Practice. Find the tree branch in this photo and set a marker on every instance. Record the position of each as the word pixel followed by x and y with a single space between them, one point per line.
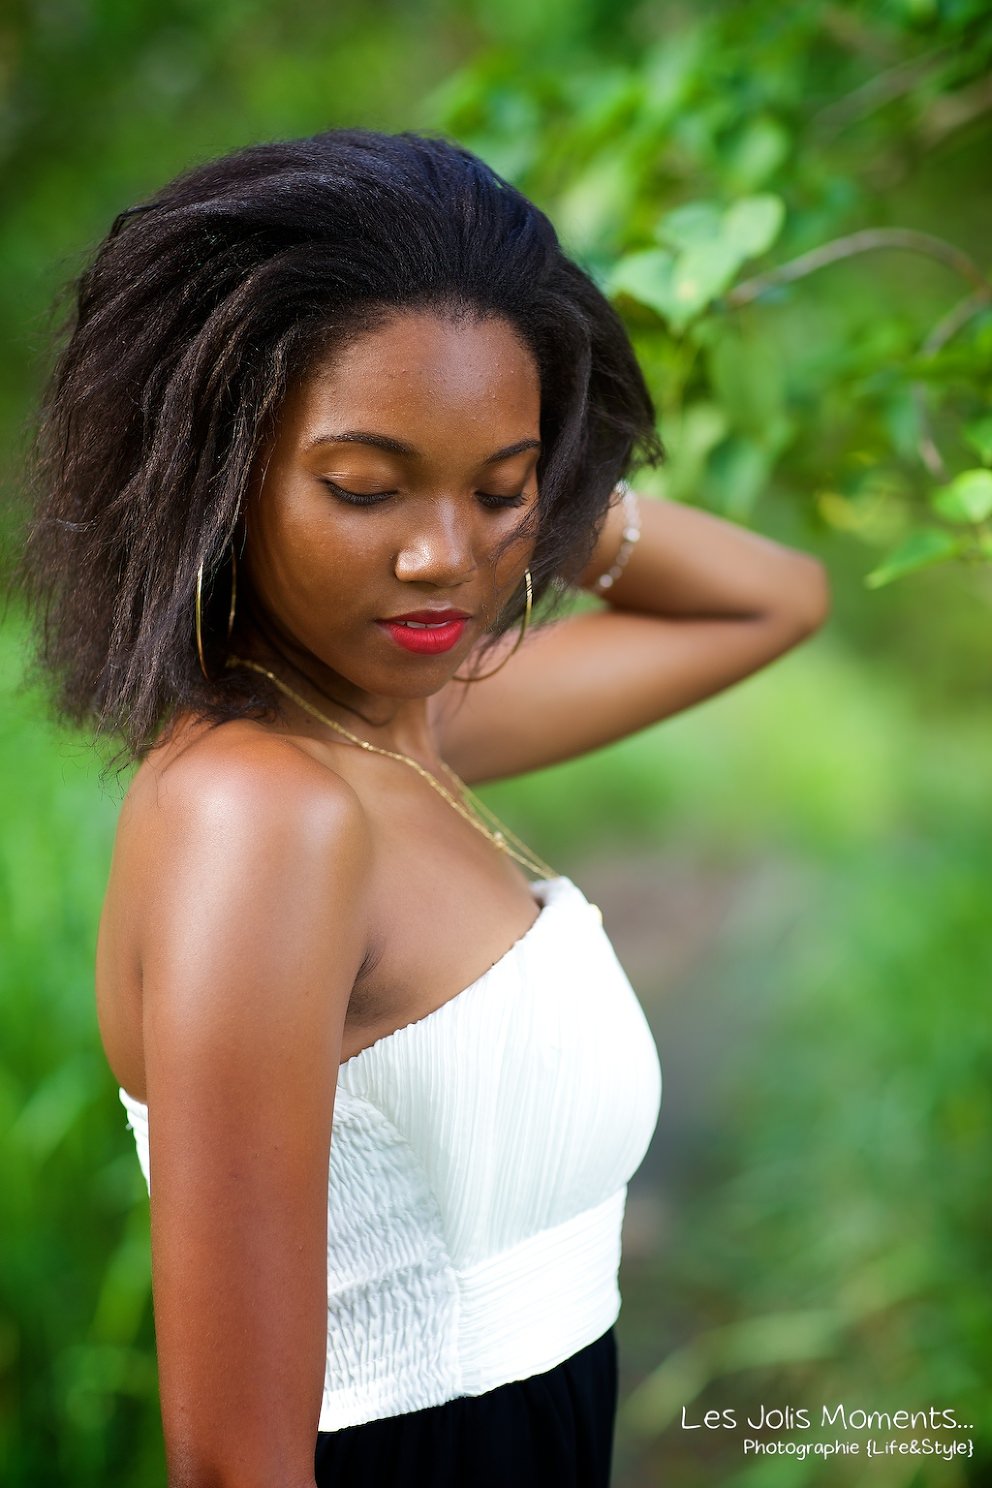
pixel 948 326
pixel 868 241
pixel 877 91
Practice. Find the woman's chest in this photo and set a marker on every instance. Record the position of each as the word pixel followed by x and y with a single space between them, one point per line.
pixel 535 1091
pixel 439 927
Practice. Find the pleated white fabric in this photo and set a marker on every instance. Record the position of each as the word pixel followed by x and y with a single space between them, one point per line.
pixel 479 1165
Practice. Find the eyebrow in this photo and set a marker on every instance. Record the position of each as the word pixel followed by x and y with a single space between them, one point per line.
pixel 400 447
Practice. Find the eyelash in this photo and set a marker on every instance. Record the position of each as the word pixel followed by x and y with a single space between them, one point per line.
pixel 355 498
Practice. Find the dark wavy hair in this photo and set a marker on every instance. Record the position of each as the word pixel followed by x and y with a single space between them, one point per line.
pixel 184 331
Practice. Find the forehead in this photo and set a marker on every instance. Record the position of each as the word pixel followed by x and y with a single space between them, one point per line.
pixel 426 374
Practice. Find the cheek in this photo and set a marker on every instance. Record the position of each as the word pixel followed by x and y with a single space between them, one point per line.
pixel 324 569
pixel 516 554
pixel 300 545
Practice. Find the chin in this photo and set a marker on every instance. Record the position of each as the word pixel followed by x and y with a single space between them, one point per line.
pixel 409 688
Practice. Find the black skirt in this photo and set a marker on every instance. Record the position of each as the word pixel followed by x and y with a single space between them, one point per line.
pixel 554 1428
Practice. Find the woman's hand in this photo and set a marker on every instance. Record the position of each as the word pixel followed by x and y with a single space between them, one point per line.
pixel 700 604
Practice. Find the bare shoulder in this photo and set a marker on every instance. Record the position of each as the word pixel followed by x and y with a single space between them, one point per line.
pixel 242 772
pixel 236 831
pixel 254 905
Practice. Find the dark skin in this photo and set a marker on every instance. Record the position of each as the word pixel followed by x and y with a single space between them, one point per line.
pixel 279 898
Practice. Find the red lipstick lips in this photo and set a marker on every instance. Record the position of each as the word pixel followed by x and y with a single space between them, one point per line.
pixel 426 632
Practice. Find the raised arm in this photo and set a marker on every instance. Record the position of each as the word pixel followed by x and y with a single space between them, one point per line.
pixel 701 603
pixel 249 956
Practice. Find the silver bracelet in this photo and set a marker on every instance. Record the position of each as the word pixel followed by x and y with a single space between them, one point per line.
pixel 631 533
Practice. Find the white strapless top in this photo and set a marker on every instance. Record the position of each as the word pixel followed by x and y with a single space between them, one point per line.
pixel 478 1174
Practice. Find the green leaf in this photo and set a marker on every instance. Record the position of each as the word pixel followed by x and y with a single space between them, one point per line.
pixel 921 548
pixel 677 287
pixel 701 273
pixel 755 153
pixel 647 277
pixel 700 429
pixel 753 223
pixel 967 498
pixel 737 473
pixel 601 198
pixel 703 426
pixel 691 225
pixel 979 435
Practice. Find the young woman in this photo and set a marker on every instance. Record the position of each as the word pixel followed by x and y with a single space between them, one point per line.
pixel 334 416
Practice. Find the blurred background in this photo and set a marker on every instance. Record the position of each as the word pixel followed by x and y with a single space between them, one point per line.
pixel 789 205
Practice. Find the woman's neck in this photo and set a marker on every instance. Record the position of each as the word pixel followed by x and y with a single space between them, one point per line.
pixel 401 724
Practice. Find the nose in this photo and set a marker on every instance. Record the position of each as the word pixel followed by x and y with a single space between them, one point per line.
pixel 440 550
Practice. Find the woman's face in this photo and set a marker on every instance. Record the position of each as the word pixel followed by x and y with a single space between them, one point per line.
pixel 439 421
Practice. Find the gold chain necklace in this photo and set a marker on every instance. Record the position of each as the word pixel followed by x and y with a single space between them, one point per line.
pixel 501 838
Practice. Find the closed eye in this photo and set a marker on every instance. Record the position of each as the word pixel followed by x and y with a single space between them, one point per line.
pixel 356 498
pixel 498 501
pixel 374 498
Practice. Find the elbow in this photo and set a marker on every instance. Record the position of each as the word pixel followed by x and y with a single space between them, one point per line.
pixel 236 1478
pixel 189 1470
pixel 809 602
pixel 820 596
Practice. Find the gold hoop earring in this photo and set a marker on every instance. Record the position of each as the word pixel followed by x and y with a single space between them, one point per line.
pixel 199 609
pixel 523 632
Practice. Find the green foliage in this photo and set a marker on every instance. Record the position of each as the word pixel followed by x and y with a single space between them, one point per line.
pixel 75 1357
pixel 854 1225
pixel 746 221
pixel 706 246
